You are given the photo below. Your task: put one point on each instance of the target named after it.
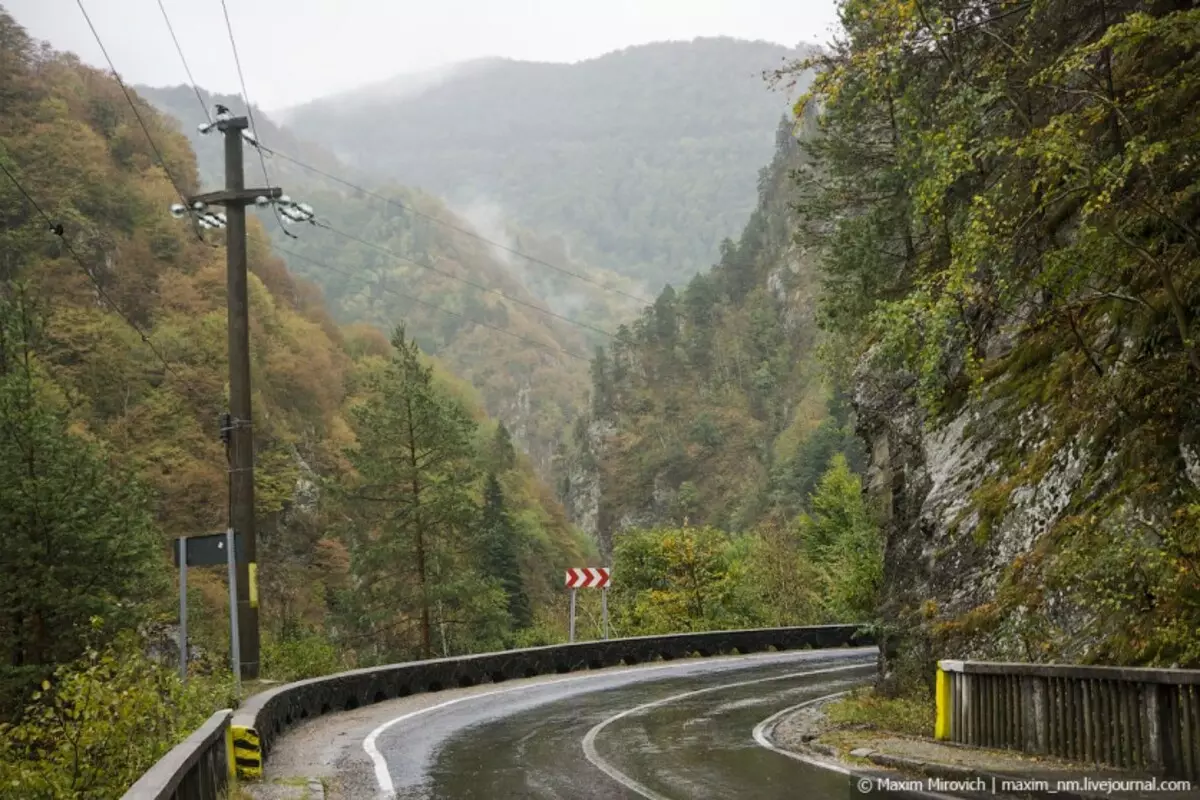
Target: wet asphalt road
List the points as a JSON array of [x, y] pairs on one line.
[[676, 731]]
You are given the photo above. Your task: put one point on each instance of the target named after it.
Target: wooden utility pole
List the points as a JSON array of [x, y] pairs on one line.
[[235, 197]]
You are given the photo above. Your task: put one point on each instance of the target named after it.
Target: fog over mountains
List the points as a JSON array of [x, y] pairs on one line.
[[643, 159]]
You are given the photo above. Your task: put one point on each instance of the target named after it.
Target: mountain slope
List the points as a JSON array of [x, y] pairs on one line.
[[643, 159], [151, 403], [1013, 269], [410, 259], [712, 408]]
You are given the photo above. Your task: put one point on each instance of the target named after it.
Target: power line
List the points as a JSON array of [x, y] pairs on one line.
[[183, 58], [468, 282], [129, 98], [54, 227], [57, 229], [389, 290], [237, 62], [453, 227]]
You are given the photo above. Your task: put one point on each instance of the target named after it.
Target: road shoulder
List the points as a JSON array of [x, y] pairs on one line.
[[868, 750]]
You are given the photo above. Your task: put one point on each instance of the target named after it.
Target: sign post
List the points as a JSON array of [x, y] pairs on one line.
[[181, 554], [588, 578], [208, 550], [234, 648], [572, 634], [604, 609]]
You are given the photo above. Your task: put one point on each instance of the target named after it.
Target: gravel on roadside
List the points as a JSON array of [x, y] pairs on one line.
[[809, 731]]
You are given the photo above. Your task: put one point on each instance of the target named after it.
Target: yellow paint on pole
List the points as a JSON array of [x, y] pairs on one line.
[[247, 752], [941, 728], [254, 584]]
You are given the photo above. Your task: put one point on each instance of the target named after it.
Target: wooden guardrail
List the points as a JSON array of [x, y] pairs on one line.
[[1126, 717], [198, 768]]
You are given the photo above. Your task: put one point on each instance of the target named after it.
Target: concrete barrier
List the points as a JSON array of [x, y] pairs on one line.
[[266, 716], [1126, 717], [198, 768]]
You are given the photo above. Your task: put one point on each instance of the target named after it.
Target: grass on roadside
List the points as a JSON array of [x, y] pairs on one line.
[[863, 709], [236, 792]]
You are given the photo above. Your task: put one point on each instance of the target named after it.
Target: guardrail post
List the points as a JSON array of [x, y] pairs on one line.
[[183, 620], [1155, 718], [571, 635], [247, 751], [1033, 714], [945, 704], [970, 701]]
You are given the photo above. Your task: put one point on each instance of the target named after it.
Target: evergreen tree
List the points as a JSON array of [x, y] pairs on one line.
[[504, 455], [666, 323], [603, 401], [413, 460], [500, 560], [79, 541], [700, 300]]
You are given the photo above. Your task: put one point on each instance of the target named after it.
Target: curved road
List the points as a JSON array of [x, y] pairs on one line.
[[675, 731]]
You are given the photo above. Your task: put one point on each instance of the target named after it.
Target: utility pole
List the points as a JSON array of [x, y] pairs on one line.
[[240, 437]]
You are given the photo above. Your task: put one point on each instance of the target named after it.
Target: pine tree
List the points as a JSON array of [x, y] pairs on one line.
[[504, 455], [500, 560], [79, 541], [413, 460], [603, 399]]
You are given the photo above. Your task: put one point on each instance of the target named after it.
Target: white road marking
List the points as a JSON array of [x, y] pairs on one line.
[[589, 740], [764, 729], [762, 735], [384, 778]]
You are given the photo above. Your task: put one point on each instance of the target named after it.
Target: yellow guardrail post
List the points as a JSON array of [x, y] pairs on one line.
[[941, 728], [247, 751]]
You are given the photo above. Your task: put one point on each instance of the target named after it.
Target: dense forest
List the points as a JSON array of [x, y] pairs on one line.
[[713, 406], [1006, 197], [977, 251], [112, 379], [642, 159], [718, 464]]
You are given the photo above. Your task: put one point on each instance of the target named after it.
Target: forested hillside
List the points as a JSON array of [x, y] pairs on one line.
[[992, 215], [642, 159], [410, 258], [718, 465], [713, 406], [1007, 198], [112, 376]]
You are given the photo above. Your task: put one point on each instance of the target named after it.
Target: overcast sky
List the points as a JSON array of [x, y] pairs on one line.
[[299, 49]]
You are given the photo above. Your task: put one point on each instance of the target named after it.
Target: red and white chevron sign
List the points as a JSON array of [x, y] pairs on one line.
[[587, 578]]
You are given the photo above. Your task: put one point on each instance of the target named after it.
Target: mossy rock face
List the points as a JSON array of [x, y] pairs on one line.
[[1033, 555]]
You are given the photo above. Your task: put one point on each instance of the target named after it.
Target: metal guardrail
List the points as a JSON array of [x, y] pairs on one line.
[[266, 716], [198, 768], [1126, 717]]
